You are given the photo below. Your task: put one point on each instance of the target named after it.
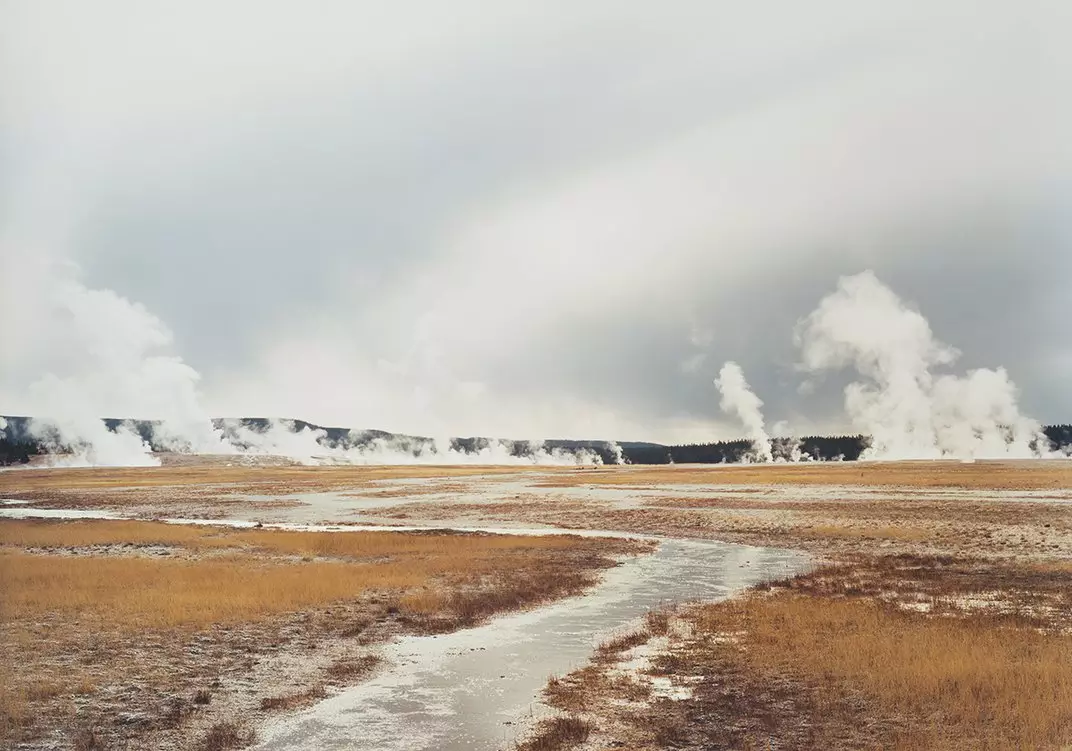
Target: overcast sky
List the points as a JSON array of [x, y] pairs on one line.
[[538, 219]]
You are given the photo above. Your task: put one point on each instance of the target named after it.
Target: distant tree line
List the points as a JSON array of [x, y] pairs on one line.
[[825, 448], [17, 451], [1060, 436], [18, 445]]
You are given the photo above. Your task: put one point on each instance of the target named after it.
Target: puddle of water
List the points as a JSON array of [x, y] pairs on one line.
[[474, 689], [326, 503], [17, 512], [431, 526]]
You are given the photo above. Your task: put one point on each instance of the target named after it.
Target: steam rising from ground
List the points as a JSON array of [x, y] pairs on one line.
[[92, 353], [739, 399], [313, 446], [909, 411]]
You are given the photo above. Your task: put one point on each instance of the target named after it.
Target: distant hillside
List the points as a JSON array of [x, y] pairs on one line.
[[18, 444]]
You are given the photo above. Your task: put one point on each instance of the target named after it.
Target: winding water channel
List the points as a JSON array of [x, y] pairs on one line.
[[474, 689], [477, 688]]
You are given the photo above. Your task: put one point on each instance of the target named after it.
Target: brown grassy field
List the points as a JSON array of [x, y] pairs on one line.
[[211, 474], [1023, 475], [943, 622], [976, 683], [92, 607], [823, 663], [964, 594], [963, 509], [995, 475]]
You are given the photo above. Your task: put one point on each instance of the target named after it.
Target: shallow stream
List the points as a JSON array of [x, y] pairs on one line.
[[478, 688]]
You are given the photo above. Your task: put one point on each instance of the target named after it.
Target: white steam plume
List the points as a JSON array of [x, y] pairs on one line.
[[909, 411], [307, 446], [101, 355], [89, 354], [739, 399], [80, 439]]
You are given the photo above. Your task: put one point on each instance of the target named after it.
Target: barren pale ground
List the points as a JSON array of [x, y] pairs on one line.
[[937, 615]]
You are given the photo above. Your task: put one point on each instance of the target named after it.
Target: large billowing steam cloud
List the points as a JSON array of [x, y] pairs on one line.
[[94, 354], [910, 411], [739, 399], [91, 353], [101, 355]]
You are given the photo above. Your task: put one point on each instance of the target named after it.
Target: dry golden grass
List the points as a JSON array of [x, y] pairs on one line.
[[1027, 595], [557, 733], [224, 736], [293, 701], [959, 683], [833, 660], [903, 534], [614, 646], [19, 697], [34, 533], [1010, 475], [374, 544], [16, 712], [1064, 567], [209, 474], [1016, 475], [138, 593], [139, 618], [353, 668]]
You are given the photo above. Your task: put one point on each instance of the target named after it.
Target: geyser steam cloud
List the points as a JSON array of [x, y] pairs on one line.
[[909, 411], [739, 399], [103, 355], [93, 353]]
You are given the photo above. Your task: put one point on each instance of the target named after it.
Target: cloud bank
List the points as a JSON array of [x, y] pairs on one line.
[[909, 410], [509, 222]]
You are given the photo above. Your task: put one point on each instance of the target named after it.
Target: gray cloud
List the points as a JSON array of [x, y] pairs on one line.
[[506, 221]]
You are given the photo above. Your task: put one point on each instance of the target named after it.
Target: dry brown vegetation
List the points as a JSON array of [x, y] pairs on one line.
[[205, 487], [972, 682], [32, 533], [1006, 475], [91, 607], [209, 475], [1012, 475], [557, 733], [888, 532], [208, 488], [293, 701], [129, 593], [227, 735], [832, 522], [965, 593], [845, 658]]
